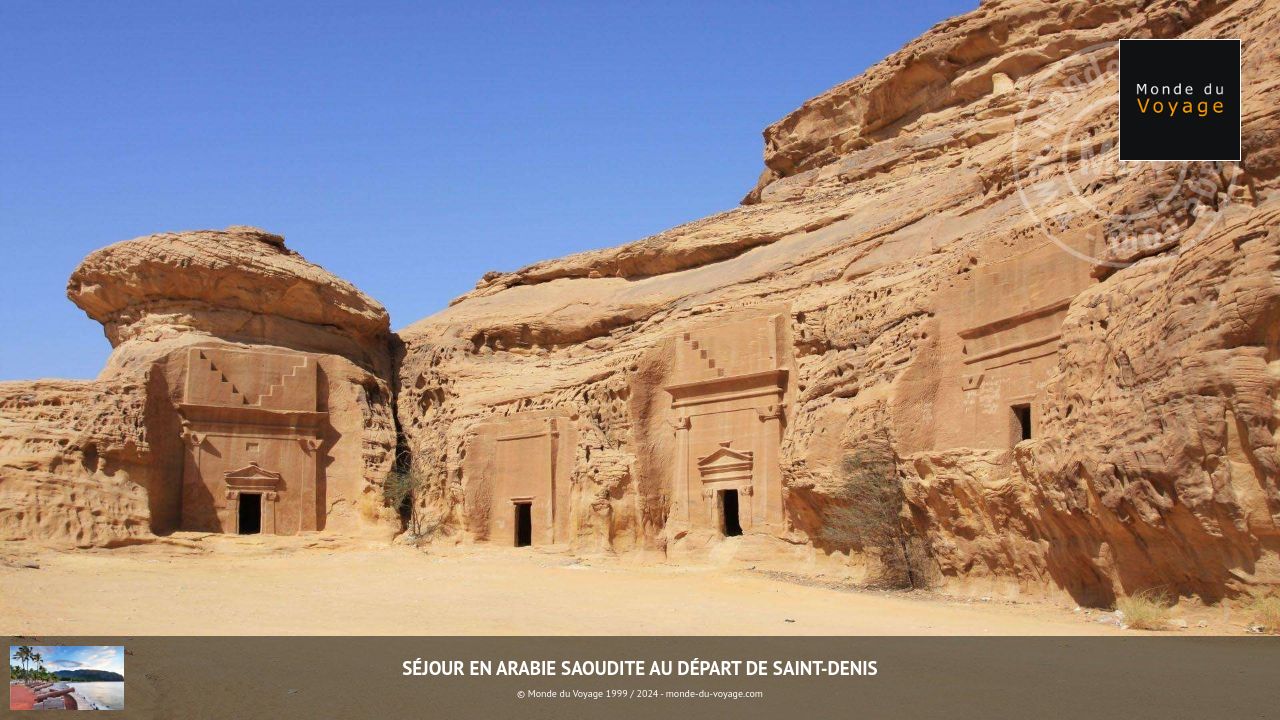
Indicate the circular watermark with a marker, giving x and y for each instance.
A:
(1067, 168)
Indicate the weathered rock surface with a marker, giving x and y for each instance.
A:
(927, 295)
(230, 352)
(951, 71)
(241, 283)
(73, 462)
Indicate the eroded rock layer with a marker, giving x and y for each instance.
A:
(932, 272)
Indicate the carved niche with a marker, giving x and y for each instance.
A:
(520, 463)
(727, 399)
(252, 426)
(1008, 315)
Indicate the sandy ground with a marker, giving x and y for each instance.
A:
(226, 585)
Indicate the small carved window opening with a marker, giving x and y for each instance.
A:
(1022, 422)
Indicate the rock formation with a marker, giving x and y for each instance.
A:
(1066, 412)
(246, 386)
(939, 273)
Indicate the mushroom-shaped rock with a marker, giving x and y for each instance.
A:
(238, 282)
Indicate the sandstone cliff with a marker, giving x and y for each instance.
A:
(925, 291)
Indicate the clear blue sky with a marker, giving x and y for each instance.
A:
(407, 147)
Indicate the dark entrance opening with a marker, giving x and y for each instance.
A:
(1022, 416)
(250, 513)
(524, 524)
(729, 509)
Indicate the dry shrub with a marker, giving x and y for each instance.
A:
(402, 491)
(1265, 611)
(868, 514)
(1145, 610)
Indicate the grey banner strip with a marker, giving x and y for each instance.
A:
(955, 678)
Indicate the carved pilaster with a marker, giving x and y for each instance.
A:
(308, 505)
(769, 473)
(681, 482)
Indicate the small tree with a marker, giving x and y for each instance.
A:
(869, 515)
(402, 490)
(24, 655)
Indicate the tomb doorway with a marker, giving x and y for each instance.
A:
(250, 513)
(731, 523)
(524, 524)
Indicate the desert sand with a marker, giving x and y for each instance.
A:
(326, 585)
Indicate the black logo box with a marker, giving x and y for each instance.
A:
(1186, 68)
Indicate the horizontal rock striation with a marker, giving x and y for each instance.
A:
(241, 282)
